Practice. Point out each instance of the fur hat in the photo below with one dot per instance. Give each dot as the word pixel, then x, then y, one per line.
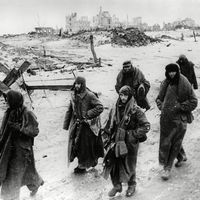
pixel 80 80
pixel 182 59
pixel 182 56
pixel 15 99
pixel 172 67
pixel 127 64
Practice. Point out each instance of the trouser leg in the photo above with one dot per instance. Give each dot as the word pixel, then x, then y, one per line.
pixel 11 185
pixel 132 180
pixel 176 143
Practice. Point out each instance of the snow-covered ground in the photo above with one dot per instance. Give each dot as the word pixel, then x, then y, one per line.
pixel 50 106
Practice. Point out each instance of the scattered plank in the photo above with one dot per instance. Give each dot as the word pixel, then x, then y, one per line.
pixel 4 69
pixel 48 87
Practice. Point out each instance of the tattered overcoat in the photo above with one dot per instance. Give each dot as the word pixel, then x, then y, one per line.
pixel 17 164
pixel 177 101
pixel 137 78
pixel 84 134
pixel 133 127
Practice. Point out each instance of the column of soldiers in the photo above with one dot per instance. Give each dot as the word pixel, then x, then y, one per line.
pixel 125 127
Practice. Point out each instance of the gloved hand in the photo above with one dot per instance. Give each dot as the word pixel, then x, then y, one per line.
pixel 177 107
pixel 14 125
pixel 121 149
pixel 141 92
pixel 80 121
pixel 141 137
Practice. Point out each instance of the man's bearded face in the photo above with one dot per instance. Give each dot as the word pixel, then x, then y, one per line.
pixel 78 87
pixel 127 68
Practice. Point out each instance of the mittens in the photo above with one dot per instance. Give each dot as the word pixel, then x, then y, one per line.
pixel 141 137
pixel 177 107
pixel 159 104
pixel 120 149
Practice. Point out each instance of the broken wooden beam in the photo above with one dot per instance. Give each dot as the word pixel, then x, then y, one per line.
pixel 50 80
pixel 54 84
pixel 64 59
pixel 14 74
pixel 11 77
pixel 4 88
pixel 48 87
pixel 4 69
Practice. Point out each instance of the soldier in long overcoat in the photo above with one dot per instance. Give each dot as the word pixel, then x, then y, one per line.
pixel 82 119
pixel 133 77
pixel 126 127
pixel 187 69
pixel 17 165
pixel 176 100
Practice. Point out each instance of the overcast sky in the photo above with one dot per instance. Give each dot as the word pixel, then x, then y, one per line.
pixel 21 16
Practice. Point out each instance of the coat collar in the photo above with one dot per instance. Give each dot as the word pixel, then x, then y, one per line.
pixel 81 95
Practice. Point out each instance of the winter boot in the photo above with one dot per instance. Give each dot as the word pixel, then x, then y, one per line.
pixel 179 163
pixel 33 192
pixel 78 170
pixel 130 191
pixel 165 175
pixel 114 190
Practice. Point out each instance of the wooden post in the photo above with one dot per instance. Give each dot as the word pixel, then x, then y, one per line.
pixel 92 49
pixel 182 36
pixel 44 51
pixel 194 36
pixel 99 62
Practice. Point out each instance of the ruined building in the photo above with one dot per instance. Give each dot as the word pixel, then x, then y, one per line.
pixel 73 24
pixel 103 19
pixel 44 30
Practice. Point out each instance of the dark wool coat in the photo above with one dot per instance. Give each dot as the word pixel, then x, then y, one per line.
pixel 130 129
pixel 136 79
pixel 17 164
pixel 83 136
pixel 187 69
pixel 176 103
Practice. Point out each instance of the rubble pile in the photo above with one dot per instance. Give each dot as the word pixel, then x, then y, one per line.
pixel 131 37
pixel 119 36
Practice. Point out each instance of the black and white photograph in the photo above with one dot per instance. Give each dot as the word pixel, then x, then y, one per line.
pixel 99 100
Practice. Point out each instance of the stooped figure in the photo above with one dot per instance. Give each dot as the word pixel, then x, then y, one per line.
pixel 125 128
pixel 134 78
pixel 17 165
pixel 83 121
pixel 176 100
pixel 187 69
